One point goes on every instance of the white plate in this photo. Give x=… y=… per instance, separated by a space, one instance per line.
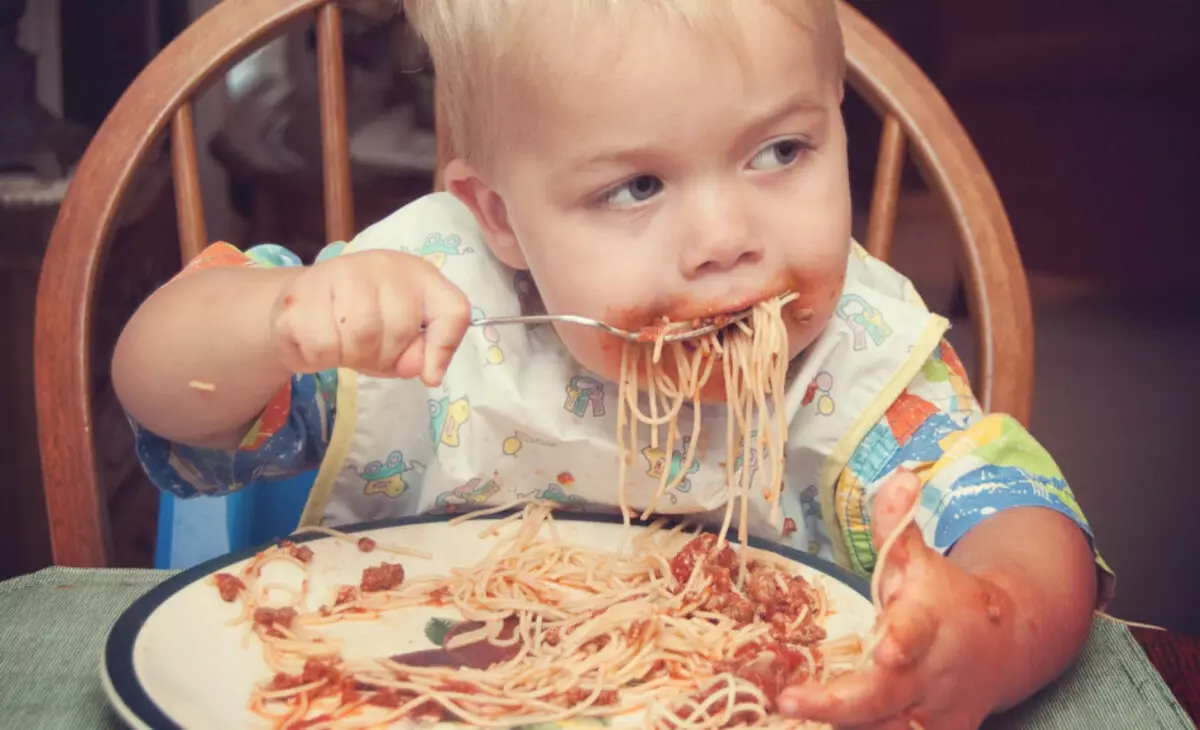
x=172 y=659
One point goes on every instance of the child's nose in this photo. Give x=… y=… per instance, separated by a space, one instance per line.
x=723 y=243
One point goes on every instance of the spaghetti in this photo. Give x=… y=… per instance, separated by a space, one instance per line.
x=680 y=628
x=685 y=635
x=753 y=359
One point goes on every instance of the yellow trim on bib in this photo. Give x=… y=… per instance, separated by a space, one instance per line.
x=345 y=422
x=840 y=455
x=344 y=425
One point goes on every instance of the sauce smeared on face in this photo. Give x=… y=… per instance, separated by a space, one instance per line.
x=805 y=317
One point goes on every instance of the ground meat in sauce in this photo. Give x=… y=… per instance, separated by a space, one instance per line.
x=808 y=633
x=458 y=687
x=366 y=544
x=762 y=588
x=349 y=691
x=702 y=546
x=269 y=617
x=229 y=586
x=782 y=606
x=316 y=670
x=761 y=596
x=685 y=560
x=771 y=667
x=728 y=603
x=303 y=553
x=345 y=594
x=390 y=698
x=439 y=596
x=283 y=680
x=382 y=577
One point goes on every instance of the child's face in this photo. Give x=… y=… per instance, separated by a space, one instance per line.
x=669 y=172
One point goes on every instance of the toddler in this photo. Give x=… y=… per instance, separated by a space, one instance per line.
x=628 y=161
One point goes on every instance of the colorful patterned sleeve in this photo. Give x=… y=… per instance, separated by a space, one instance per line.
x=289 y=437
x=972 y=465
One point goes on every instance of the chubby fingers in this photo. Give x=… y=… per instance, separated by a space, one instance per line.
x=447 y=315
x=907 y=631
x=306 y=329
x=892 y=503
x=382 y=314
x=360 y=323
x=874 y=695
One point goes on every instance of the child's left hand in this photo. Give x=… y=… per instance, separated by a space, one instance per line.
x=946 y=640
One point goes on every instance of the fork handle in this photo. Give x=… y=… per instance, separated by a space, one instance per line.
x=548 y=318
x=537 y=319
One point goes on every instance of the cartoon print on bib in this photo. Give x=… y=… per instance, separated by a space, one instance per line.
x=387 y=478
x=472 y=495
x=513 y=444
x=741 y=458
x=585 y=394
x=865 y=321
x=657 y=461
x=446 y=419
x=820 y=390
x=437 y=247
x=493 y=355
x=557 y=492
x=810 y=510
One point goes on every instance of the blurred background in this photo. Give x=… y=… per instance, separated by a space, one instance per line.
x=1085 y=111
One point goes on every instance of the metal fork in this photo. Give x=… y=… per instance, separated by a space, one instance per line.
x=675 y=331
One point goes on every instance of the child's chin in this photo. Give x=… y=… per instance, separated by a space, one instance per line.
x=714 y=390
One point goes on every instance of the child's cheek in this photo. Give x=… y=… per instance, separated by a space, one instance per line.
x=818 y=293
x=817 y=290
x=597 y=352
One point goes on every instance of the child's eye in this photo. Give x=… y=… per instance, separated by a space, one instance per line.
x=638 y=190
x=778 y=155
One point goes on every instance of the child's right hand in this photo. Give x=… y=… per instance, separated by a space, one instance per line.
x=382 y=313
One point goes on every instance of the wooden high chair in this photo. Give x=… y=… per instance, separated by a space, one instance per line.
x=915 y=118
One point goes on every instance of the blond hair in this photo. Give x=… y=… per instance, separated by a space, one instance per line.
x=479 y=46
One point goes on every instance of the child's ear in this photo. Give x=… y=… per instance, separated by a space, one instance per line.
x=488 y=207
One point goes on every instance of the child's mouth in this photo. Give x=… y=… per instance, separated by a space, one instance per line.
x=694 y=333
x=692 y=329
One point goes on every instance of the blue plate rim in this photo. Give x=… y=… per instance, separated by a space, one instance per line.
x=118 y=648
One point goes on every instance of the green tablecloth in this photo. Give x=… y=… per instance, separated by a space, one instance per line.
x=53 y=625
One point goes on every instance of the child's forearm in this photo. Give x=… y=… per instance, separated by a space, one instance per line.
x=212 y=328
x=1042 y=562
